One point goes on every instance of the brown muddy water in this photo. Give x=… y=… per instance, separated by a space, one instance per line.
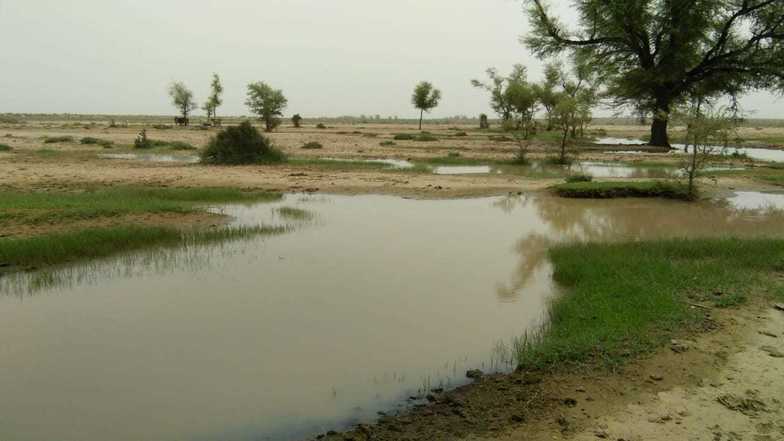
x=370 y=300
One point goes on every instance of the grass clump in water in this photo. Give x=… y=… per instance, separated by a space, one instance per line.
x=242 y=144
x=617 y=189
x=295 y=214
x=623 y=300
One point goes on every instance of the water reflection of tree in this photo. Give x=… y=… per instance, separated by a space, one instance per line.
x=567 y=221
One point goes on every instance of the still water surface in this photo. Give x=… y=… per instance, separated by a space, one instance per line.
x=374 y=299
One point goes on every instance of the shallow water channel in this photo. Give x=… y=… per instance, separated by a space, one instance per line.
x=371 y=300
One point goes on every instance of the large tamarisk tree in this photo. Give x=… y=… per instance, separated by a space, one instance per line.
x=659 y=53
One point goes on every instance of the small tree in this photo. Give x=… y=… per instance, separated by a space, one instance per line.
x=425 y=98
x=709 y=132
x=182 y=98
x=297 y=120
x=214 y=101
x=484 y=123
x=547 y=93
x=565 y=117
x=267 y=103
x=523 y=101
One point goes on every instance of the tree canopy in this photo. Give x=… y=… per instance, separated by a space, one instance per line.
x=182 y=98
x=215 y=99
x=656 y=54
x=425 y=98
x=267 y=103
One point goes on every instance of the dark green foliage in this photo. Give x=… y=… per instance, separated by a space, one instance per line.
x=387 y=143
x=5 y=148
x=8 y=119
x=296 y=120
x=58 y=139
x=425 y=137
x=655 y=55
x=579 y=178
x=321 y=126
x=616 y=189
x=404 y=137
x=105 y=143
x=461 y=134
x=425 y=98
x=312 y=145
x=242 y=144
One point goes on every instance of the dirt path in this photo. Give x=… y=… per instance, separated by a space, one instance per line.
x=725 y=386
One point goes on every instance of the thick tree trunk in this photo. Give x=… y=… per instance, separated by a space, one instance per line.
x=661 y=116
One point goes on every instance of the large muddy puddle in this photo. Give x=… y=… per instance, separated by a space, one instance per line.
x=366 y=301
x=760 y=154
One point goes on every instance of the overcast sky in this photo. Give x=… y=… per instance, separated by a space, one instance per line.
x=330 y=57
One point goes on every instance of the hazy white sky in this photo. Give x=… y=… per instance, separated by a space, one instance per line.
x=330 y=57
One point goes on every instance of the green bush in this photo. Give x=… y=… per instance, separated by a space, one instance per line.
x=58 y=139
x=579 y=178
x=8 y=119
x=242 y=144
x=404 y=137
x=387 y=143
x=5 y=148
x=312 y=146
x=425 y=137
x=616 y=189
x=320 y=126
x=105 y=143
x=461 y=134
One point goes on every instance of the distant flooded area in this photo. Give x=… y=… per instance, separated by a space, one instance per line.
x=365 y=302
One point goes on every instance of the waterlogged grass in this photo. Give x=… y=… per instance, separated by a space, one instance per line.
x=339 y=164
x=52 y=207
x=171 y=145
x=620 y=189
x=295 y=214
x=59 y=248
x=623 y=300
x=58 y=139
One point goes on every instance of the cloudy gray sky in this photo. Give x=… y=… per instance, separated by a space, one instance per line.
x=331 y=57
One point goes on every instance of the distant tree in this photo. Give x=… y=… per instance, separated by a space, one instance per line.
x=547 y=93
x=660 y=52
x=182 y=98
x=267 y=103
x=296 y=119
x=523 y=101
x=425 y=98
x=565 y=117
x=484 y=123
x=497 y=88
x=214 y=101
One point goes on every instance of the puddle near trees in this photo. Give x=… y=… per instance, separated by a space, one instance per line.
x=188 y=159
x=759 y=154
x=463 y=170
x=752 y=200
x=276 y=338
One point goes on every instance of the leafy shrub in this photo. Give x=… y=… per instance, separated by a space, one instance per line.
x=387 y=143
x=461 y=134
x=501 y=138
x=579 y=178
x=58 y=139
x=425 y=137
x=404 y=137
x=105 y=143
x=5 y=148
x=320 y=126
x=370 y=135
x=312 y=145
x=242 y=144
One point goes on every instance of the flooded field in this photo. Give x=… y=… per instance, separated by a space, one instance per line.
x=367 y=301
x=760 y=154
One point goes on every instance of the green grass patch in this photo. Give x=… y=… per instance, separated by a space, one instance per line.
x=5 y=148
x=387 y=143
x=59 y=248
x=579 y=178
x=171 y=145
x=622 y=300
x=620 y=189
x=338 y=164
x=38 y=208
x=312 y=146
x=105 y=143
x=48 y=153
